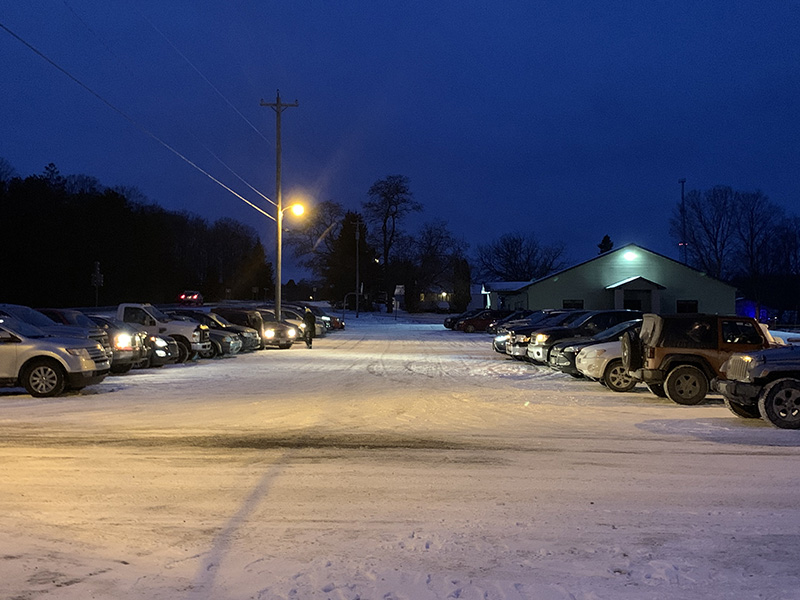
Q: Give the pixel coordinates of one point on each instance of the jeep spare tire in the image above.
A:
(632, 358)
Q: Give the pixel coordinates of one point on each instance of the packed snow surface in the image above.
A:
(396, 460)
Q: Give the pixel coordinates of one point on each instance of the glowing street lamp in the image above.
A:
(297, 210)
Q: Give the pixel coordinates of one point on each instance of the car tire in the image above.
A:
(213, 352)
(469, 328)
(285, 346)
(184, 351)
(686, 385)
(779, 403)
(121, 369)
(743, 411)
(657, 389)
(616, 377)
(44, 378)
(632, 358)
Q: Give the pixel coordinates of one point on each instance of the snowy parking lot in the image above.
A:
(395, 460)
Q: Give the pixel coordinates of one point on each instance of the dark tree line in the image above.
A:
(332, 242)
(55, 228)
(743, 238)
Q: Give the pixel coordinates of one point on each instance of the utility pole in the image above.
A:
(682, 181)
(278, 107)
(359, 223)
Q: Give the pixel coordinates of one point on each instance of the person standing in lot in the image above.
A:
(311, 323)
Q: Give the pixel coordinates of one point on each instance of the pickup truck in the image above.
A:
(192, 338)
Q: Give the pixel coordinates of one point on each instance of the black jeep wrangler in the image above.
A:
(763, 384)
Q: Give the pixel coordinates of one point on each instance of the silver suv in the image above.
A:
(46, 365)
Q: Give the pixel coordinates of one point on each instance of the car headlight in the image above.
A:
(524, 339)
(123, 341)
(292, 333)
(303, 326)
(541, 338)
(227, 339)
(269, 333)
(80, 352)
(160, 342)
(500, 338)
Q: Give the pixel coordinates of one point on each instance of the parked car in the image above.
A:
(161, 350)
(222, 343)
(278, 333)
(677, 356)
(272, 333)
(48, 325)
(563, 354)
(516, 315)
(46, 365)
(591, 323)
(190, 298)
(192, 338)
(479, 321)
(764, 383)
(251, 340)
(520, 336)
(127, 343)
(603, 363)
(123, 344)
(504, 332)
(450, 322)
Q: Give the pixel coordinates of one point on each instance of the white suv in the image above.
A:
(46, 365)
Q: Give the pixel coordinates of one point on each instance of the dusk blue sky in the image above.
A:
(566, 120)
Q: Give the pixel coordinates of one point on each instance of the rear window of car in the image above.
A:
(693, 332)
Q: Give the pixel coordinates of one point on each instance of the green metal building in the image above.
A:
(629, 277)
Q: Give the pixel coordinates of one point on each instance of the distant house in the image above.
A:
(628, 277)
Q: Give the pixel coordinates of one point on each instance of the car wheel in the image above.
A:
(285, 346)
(744, 411)
(44, 378)
(121, 369)
(686, 385)
(616, 378)
(213, 352)
(469, 328)
(779, 403)
(657, 389)
(631, 351)
(184, 351)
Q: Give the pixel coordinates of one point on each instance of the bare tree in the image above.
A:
(391, 200)
(757, 220)
(710, 229)
(517, 257)
(315, 238)
(7, 171)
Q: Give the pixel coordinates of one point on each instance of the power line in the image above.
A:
(135, 123)
(213, 87)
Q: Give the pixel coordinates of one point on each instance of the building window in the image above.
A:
(686, 306)
(572, 304)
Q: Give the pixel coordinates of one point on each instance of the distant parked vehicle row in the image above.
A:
(681, 357)
(50, 350)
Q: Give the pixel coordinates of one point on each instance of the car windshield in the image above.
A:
(80, 319)
(618, 329)
(160, 316)
(21, 328)
(24, 313)
(565, 319)
(220, 320)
